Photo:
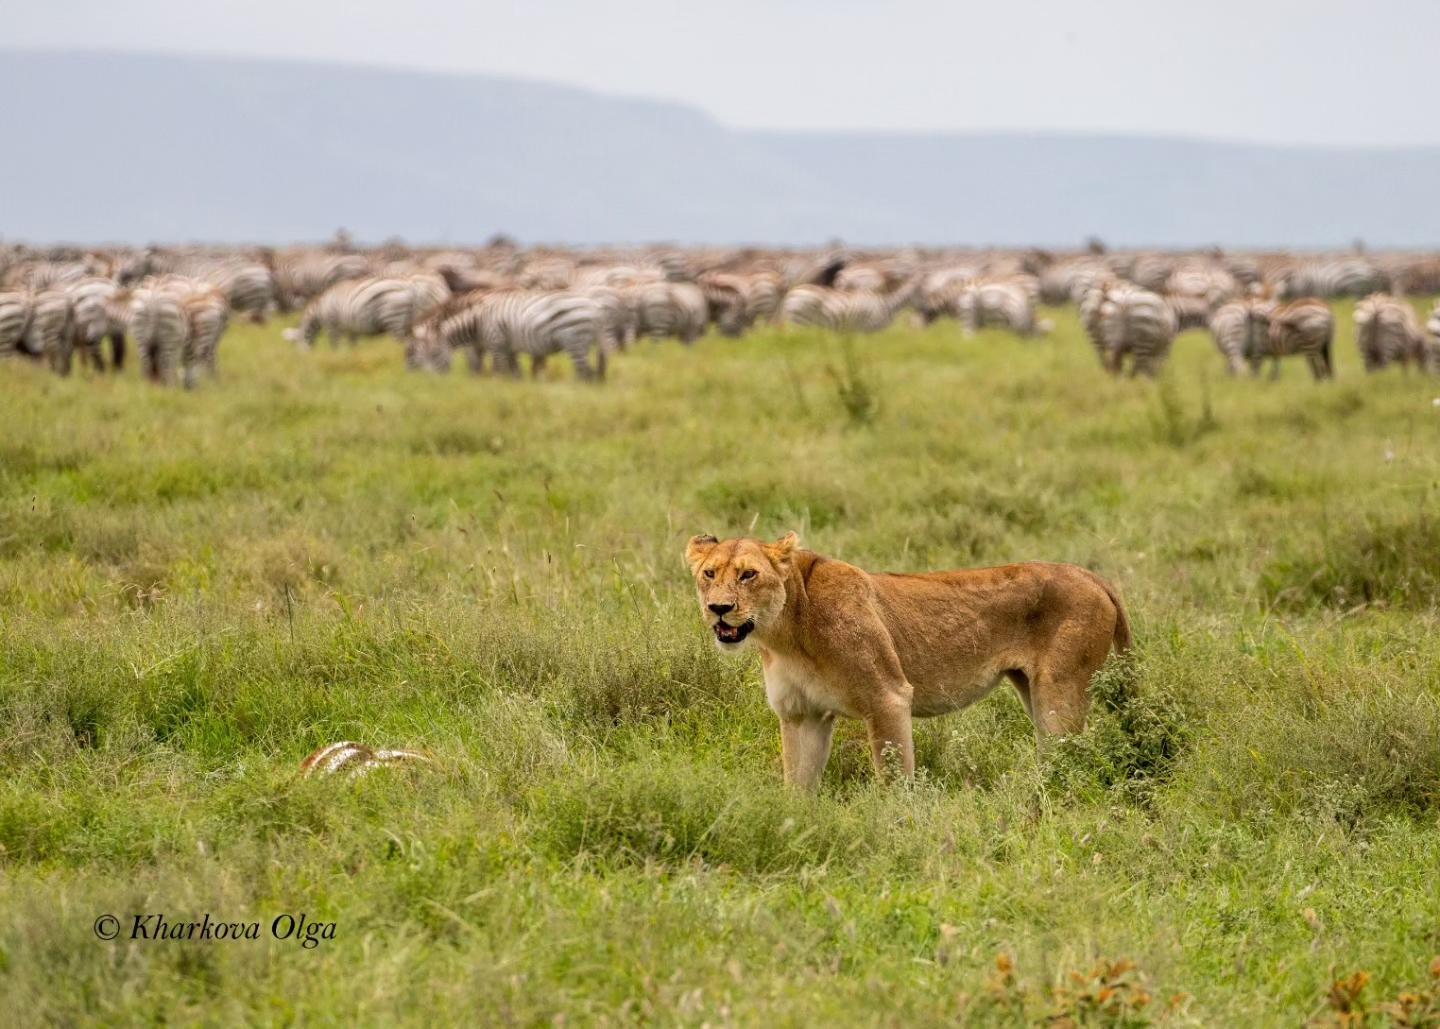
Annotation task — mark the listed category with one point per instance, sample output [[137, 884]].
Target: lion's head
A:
[[741, 583]]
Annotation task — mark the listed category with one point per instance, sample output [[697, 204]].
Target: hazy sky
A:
[[1268, 70]]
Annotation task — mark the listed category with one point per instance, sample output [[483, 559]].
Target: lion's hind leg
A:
[[892, 745], [1059, 689]]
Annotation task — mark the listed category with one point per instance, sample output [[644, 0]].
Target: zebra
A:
[[301, 277], [1007, 303], [506, 323], [621, 321], [16, 307], [160, 326], [369, 307], [208, 311], [1330, 277], [193, 347], [1300, 327], [726, 302], [94, 316], [1387, 331], [48, 334], [248, 286], [670, 309], [1123, 320], [1239, 327], [842, 311]]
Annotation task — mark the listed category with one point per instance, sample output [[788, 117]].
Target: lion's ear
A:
[[698, 549], [782, 548]]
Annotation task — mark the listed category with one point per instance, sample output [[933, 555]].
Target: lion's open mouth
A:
[[732, 633]]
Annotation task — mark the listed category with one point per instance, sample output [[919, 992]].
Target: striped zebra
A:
[[1125, 321], [1007, 303], [208, 310], [763, 291], [620, 320], [16, 307], [1240, 327], [726, 302], [301, 277], [1330, 277], [95, 315], [504, 324], [675, 310], [48, 334], [1299, 327], [355, 308], [1191, 312], [249, 287], [160, 326], [1387, 332], [840, 311]]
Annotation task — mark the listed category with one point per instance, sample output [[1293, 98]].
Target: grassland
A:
[[197, 589]]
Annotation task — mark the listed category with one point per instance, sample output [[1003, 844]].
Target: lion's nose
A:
[[721, 609]]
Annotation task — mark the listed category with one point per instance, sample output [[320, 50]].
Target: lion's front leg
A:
[[805, 748]]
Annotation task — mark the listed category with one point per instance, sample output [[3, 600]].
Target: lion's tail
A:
[[1123, 638]]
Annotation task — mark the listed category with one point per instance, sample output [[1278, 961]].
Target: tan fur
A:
[[836, 640]]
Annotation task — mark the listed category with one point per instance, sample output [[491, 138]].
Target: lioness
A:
[[836, 640]]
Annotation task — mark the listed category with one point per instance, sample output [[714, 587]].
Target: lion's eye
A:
[[709, 573], [747, 575]]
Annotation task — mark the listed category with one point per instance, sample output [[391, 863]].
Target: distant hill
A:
[[131, 148]]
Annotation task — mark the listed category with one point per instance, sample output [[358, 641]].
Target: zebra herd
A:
[[500, 304]]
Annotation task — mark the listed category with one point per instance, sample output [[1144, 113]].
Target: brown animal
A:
[[884, 648]]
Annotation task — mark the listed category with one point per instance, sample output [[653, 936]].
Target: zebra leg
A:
[[537, 364], [580, 357], [1275, 368], [117, 351], [600, 362], [62, 357]]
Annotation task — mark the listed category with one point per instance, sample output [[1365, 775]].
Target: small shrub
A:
[[856, 389], [1133, 741], [1173, 424]]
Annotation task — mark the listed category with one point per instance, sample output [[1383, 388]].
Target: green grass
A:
[[197, 589]]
